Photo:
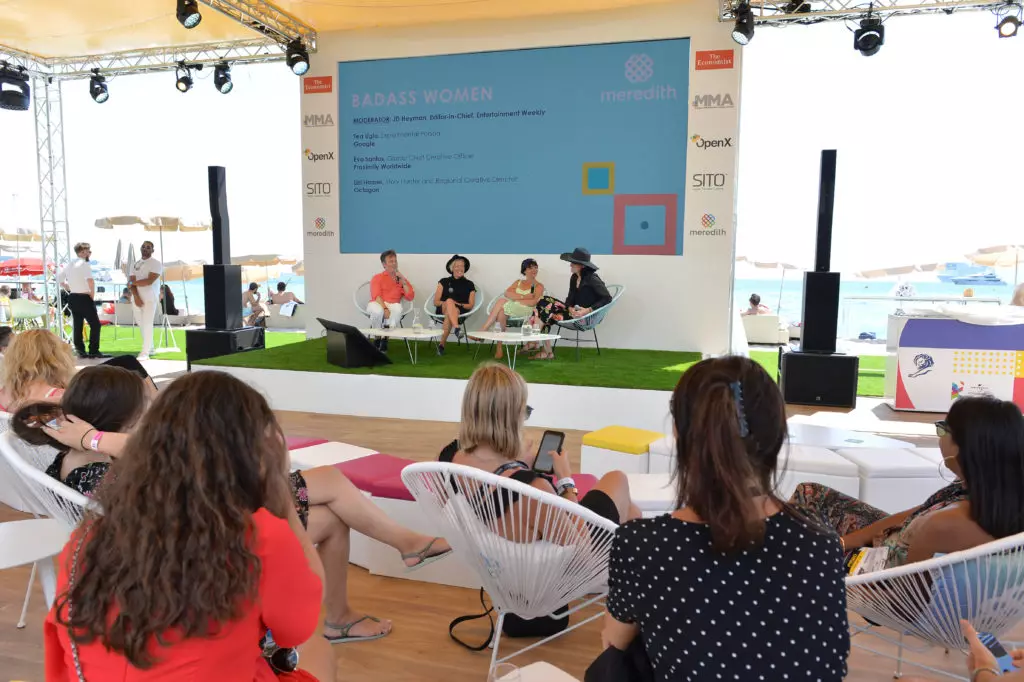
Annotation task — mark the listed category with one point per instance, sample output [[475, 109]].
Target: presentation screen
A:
[[516, 152]]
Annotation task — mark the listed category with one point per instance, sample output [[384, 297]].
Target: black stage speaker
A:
[[201, 344], [818, 379], [347, 347], [820, 312], [222, 290], [217, 181]]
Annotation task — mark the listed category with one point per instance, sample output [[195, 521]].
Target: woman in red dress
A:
[[197, 554]]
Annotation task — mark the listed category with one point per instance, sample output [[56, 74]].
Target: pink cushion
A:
[[299, 442], [366, 472], [391, 488], [584, 483]]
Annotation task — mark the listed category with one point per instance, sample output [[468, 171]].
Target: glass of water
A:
[[417, 324], [504, 672]]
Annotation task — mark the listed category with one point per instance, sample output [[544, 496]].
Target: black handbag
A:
[[615, 665], [512, 626]]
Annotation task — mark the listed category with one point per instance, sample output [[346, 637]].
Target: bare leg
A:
[[329, 487], [446, 324], [503, 319], [317, 658], [616, 486], [331, 537], [499, 307], [451, 312]]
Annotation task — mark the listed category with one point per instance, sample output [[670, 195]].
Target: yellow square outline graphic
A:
[[610, 165]]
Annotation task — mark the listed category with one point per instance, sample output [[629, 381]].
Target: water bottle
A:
[[497, 327], [417, 325]]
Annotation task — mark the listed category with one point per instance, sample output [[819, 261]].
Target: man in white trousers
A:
[[387, 291], [145, 295]]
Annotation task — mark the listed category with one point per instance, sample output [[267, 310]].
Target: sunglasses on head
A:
[[942, 428]]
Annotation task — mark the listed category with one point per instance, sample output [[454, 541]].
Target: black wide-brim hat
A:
[[448, 265], [579, 256]]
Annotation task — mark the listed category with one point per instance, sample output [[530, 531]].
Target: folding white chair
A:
[[927, 599], [495, 534]]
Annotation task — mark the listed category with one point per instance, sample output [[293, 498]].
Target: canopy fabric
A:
[[21, 236], [768, 265], [299, 268], [155, 224], [22, 267], [263, 260], [181, 271], [61, 28], [1006, 256]]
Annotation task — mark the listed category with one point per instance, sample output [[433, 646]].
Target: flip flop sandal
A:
[[344, 637], [424, 560]]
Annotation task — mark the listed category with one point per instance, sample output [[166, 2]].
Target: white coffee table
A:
[[513, 340], [406, 335]]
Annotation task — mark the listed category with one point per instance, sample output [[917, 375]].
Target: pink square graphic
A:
[[619, 246]]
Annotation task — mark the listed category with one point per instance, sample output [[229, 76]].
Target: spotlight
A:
[[222, 78], [184, 83], [870, 37], [1008, 26], [188, 13], [743, 32], [297, 57], [98, 87], [14, 88]]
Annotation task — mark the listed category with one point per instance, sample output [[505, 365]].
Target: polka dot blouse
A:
[[774, 613]]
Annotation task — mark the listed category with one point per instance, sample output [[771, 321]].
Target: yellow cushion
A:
[[622, 439]]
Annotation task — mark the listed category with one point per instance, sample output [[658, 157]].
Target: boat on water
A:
[[951, 271], [988, 279]]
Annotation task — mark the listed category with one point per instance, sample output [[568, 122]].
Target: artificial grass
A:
[[127, 343], [613, 368]]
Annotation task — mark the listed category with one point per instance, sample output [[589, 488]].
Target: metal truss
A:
[[53, 196], [264, 17], [781, 13]]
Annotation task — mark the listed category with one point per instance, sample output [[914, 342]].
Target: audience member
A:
[[519, 299], [5, 303], [490, 438], [252, 309], [326, 502], [282, 296], [6, 336], [982, 665], [29, 294], [167, 300], [982, 443], [387, 291], [587, 293], [197, 553], [755, 307], [37, 366], [111, 399], [734, 564], [455, 295]]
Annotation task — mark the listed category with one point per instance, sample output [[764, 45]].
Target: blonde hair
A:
[[1018, 295], [493, 411], [35, 356]]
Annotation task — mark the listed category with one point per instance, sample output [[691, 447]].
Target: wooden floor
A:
[[419, 648]]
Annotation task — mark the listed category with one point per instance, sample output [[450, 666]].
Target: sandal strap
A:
[[422, 554], [345, 629]]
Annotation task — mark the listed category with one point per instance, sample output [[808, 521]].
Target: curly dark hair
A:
[[172, 550]]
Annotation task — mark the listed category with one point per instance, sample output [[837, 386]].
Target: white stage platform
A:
[[584, 408]]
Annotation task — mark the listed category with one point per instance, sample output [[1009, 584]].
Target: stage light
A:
[[184, 82], [1008, 26], [14, 88], [870, 37], [188, 13], [297, 57], [222, 78], [98, 87], [743, 32]]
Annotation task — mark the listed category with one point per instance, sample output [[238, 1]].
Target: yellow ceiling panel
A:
[[343, 15], [68, 28]]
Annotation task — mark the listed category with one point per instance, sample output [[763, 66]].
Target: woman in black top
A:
[[735, 585], [587, 293], [455, 295], [167, 300]]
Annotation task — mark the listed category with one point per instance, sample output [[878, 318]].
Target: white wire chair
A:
[[983, 585], [590, 321], [429, 307], [533, 554], [509, 321], [361, 298]]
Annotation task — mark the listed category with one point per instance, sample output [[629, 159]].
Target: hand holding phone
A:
[[550, 442]]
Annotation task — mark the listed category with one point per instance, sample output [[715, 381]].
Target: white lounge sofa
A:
[[277, 321], [767, 329]]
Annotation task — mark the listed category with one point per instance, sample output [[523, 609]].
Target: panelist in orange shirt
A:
[[387, 291]]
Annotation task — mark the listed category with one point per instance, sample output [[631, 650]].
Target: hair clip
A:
[[741, 413]]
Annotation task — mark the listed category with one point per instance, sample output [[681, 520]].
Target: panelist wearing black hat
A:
[[455, 295], [587, 293]]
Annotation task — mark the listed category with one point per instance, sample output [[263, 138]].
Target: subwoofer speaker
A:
[[818, 379], [820, 313], [222, 290]]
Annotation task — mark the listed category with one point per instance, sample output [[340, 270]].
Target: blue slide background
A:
[[546, 210]]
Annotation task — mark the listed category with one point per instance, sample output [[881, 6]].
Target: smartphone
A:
[[1003, 659], [551, 441]]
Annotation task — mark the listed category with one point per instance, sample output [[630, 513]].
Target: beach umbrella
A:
[[251, 264], [117, 256], [129, 262], [22, 267], [299, 268], [772, 265], [181, 271], [1005, 256], [887, 272]]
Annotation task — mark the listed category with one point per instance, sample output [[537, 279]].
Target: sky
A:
[[929, 153]]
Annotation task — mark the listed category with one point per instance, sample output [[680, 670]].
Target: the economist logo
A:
[[312, 85], [714, 59]]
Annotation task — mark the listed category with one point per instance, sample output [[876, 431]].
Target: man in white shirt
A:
[[77, 280], [146, 295]]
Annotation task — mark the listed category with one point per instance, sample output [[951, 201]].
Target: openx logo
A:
[[326, 156]]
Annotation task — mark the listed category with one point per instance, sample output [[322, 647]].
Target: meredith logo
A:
[[713, 59], [312, 85], [639, 68], [319, 229], [707, 227]]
